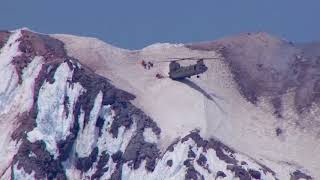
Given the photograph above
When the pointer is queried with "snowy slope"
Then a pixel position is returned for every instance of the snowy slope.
(78, 108)
(215, 104)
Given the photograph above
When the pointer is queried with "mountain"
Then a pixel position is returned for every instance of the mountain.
(78, 108)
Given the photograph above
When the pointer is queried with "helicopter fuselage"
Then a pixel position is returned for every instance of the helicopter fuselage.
(178, 72)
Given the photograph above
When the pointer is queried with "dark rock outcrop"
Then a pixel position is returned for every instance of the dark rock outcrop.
(191, 154)
(212, 144)
(239, 172)
(296, 175)
(255, 174)
(193, 174)
(42, 163)
(85, 163)
(101, 166)
(202, 160)
(33, 44)
(220, 174)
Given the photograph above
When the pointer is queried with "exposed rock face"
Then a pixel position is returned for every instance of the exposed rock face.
(61, 120)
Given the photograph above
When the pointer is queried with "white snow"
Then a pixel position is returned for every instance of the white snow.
(154, 96)
(21, 174)
(53, 124)
(15, 99)
(88, 139)
(178, 108)
(73, 173)
(88, 133)
(107, 142)
(9, 77)
(150, 136)
(29, 74)
(21, 99)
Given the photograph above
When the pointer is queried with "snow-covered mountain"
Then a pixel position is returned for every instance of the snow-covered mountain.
(77, 108)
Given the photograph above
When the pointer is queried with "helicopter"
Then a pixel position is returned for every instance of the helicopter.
(178, 72)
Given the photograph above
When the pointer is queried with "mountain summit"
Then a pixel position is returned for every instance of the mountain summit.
(78, 108)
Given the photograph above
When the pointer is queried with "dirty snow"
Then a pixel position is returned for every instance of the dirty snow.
(179, 108)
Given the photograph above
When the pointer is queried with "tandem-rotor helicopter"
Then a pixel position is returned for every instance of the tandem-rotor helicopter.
(178, 72)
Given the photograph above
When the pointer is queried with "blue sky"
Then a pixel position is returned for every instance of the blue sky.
(136, 24)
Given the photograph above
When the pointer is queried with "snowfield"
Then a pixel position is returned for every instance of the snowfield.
(179, 108)
(78, 108)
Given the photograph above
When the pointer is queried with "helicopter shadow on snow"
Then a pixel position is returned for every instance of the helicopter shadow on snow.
(196, 87)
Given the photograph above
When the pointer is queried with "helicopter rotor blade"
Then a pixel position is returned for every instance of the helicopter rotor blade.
(193, 59)
(186, 59)
(182, 58)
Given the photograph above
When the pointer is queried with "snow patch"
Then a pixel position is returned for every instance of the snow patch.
(150, 136)
(88, 133)
(53, 124)
(9, 77)
(107, 142)
(178, 169)
(21, 174)
(29, 75)
(88, 138)
(178, 108)
(13, 96)
(31, 154)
